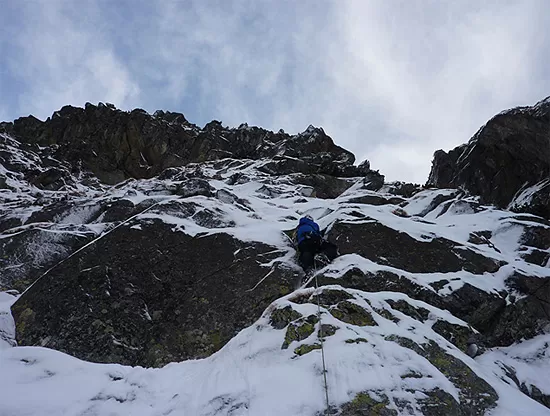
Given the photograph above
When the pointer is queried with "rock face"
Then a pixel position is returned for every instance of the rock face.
(508, 157)
(165, 297)
(385, 245)
(116, 145)
(186, 256)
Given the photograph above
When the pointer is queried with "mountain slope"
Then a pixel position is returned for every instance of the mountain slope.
(193, 265)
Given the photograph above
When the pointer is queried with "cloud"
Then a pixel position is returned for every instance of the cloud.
(390, 81)
(437, 73)
(62, 60)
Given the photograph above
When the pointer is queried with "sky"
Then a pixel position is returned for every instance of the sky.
(390, 80)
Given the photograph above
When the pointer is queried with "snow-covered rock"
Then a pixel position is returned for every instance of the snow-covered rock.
(186, 288)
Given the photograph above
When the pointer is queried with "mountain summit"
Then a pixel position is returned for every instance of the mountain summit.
(147, 262)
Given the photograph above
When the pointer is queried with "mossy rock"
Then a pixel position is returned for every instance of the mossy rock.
(300, 330)
(329, 297)
(384, 313)
(355, 341)
(301, 298)
(352, 313)
(455, 334)
(304, 349)
(284, 290)
(26, 319)
(420, 314)
(439, 402)
(327, 330)
(280, 318)
(363, 404)
(476, 395)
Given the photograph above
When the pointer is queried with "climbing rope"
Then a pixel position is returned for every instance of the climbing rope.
(321, 338)
(95, 240)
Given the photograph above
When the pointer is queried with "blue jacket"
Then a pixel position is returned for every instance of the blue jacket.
(306, 226)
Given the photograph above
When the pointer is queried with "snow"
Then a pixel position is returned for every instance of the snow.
(525, 196)
(252, 375)
(7, 325)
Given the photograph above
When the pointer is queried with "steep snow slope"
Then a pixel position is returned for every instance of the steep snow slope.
(399, 350)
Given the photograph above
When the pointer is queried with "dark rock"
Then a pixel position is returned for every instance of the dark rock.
(364, 404)
(439, 402)
(237, 178)
(373, 181)
(382, 281)
(475, 306)
(420, 314)
(50, 179)
(460, 207)
(457, 335)
(403, 189)
(352, 313)
(508, 154)
(7, 223)
(119, 210)
(287, 166)
(531, 391)
(440, 284)
(166, 297)
(476, 395)
(528, 316)
(539, 396)
(502, 324)
(26, 255)
(364, 165)
(194, 187)
(538, 237)
(537, 201)
(326, 330)
(280, 318)
(330, 297)
(324, 186)
(356, 341)
(538, 257)
(116, 145)
(304, 349)
(299, 330)
(437, 201)
(480, 237)
(376, 200)
(387, 246)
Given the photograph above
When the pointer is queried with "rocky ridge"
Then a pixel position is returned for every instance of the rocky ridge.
(192, 262)
(506, 163)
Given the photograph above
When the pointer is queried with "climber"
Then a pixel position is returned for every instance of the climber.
(310, 242)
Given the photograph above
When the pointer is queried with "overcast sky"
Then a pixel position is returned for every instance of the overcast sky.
(390, 80)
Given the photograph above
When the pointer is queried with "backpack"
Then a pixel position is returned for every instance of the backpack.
(307, 229)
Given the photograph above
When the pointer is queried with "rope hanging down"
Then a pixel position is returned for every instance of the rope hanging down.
(321, 338)
(95, 240)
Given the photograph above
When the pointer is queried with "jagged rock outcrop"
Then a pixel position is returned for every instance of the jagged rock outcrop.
(506, 162)
(116, 145)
